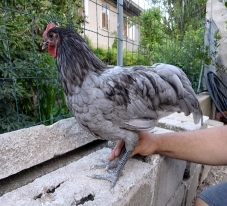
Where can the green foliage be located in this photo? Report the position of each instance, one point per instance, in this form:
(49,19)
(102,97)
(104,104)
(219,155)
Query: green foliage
(114,45)
(181,14)
(29,90)
(176,38)
(151,28)
(109,56)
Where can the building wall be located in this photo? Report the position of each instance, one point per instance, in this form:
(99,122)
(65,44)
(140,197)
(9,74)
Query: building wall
(213,8)
(101,37)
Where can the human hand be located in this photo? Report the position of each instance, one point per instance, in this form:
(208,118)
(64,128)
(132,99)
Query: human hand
(145,146)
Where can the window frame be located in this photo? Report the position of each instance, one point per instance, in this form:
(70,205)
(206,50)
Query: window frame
(129,29)
(86,8)
(106,24)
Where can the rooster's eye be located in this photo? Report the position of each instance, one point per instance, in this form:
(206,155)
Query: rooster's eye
(51,35)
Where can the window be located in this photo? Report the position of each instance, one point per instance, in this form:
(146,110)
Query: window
(125,28)
(105,17)
(129,29)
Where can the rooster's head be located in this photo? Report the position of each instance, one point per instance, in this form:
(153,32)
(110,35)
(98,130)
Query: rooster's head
(72,52)
(51,40)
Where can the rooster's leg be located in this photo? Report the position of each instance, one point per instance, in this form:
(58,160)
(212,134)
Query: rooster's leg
(111,164)
(113,175)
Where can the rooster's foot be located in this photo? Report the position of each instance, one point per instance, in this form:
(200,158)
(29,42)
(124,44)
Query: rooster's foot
(108,164)
(113,175)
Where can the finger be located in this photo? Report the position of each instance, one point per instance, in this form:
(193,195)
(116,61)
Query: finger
(111,156)
(116,151)
(118,147)
(134,152)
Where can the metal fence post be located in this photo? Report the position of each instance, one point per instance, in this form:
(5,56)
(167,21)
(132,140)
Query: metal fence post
(120,32)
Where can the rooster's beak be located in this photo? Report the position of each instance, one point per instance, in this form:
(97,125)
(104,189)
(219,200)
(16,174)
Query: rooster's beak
(45,44)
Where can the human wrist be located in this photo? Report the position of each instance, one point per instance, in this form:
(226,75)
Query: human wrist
(156,143)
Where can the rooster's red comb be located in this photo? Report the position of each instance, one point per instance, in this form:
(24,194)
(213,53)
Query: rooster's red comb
(49,26)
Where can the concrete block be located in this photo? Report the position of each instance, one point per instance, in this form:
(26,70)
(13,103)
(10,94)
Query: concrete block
(190,170)
(169,175)
(205,103)
(159,130)
(178,197)
(191,186)
(71,185)
(204,172)
(213,123)
(180,122)
(25,148)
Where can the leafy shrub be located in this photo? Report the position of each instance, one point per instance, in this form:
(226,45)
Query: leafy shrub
(30,92)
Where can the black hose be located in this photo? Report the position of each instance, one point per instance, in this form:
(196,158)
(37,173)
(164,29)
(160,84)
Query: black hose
(218,92)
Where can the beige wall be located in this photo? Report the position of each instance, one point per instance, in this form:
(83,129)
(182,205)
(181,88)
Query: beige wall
(101,37)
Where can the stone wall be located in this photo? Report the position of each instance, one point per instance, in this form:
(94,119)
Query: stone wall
(155,180)
(214,7)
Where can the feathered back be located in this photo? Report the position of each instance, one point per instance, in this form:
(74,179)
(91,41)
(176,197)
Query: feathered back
(188,101)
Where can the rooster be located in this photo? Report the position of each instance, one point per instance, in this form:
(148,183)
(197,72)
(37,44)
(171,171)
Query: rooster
(116,102)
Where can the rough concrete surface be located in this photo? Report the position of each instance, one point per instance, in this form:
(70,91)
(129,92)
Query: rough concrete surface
(177,199)
(71,185)
(25,148)
(205,103)
(204,173)
(180,122)
(192,186)
(213,123)
(26,176)
(170,175)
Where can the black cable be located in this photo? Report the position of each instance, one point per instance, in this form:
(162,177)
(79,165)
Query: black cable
(218,92)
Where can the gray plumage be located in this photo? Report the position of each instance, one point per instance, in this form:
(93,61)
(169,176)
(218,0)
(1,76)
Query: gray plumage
(115,103)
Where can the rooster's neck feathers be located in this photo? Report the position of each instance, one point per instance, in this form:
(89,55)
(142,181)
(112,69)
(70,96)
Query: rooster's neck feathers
(75,58)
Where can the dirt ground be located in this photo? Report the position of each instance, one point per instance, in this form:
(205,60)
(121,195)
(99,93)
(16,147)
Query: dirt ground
(216,175)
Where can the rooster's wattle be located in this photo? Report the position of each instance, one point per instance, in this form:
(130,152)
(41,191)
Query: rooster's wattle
(115,103)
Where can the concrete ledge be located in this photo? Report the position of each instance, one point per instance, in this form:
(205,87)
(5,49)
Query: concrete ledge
(169,176)
(178,196)
(205,103)
(25,148)
(214,123)
(71,185)
(191,185)
(179,122)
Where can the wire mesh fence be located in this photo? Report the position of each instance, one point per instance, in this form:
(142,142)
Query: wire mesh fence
(153,31)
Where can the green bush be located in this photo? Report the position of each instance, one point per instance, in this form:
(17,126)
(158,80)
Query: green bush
(30,92)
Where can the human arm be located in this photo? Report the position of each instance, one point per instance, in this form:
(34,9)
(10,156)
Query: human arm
(206,146)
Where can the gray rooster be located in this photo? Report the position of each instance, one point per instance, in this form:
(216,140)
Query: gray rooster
(115,103)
